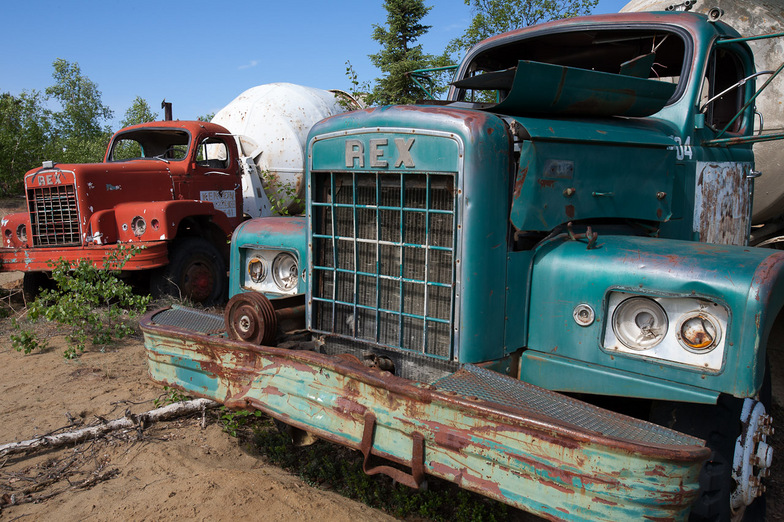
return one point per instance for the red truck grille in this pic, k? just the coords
(54, 218)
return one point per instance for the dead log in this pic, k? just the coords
(141, 420)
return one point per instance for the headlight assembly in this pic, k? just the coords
(257, 269)
(698, 332)
(21, 233)
(640, 323)
(684, 330)
(272, 272)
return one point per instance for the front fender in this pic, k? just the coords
(12, 227)
(747, 282)
(162, 219)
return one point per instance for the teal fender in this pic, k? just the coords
(267, 235)
(745, 284)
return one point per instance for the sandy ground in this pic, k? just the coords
(175, 470)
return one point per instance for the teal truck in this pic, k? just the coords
(538, 289)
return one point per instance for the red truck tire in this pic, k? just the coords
(196, 271)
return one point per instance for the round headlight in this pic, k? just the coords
(21, 233)
(698, 332)
(285, 271)
(138, 226)
(640, 323)
(256, 270)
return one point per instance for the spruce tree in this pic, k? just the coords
(400, 54)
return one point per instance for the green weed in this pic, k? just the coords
(278, 193)
(89, 303)
(235, 420)
(170, 396)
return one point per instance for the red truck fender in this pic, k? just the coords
(156, 221)
(15, 228)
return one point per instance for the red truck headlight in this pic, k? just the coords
(21, 233)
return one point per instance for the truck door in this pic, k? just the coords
(215, 176)
(724, 174)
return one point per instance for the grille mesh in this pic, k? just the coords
(54, 218)
(493, 387)
(383, 258)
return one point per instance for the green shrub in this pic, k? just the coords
(90, 303)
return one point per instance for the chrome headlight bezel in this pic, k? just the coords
(640, 323)
(265, 280)
(285, 272)
(672, 347)
(256, 269)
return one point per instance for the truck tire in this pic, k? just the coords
(33, 283)
(196, 271)
(719, 426)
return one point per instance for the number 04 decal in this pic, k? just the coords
(682, 149)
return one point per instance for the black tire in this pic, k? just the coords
(196, 271)
(719, 426)
(33, 283)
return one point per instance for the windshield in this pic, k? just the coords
(643, 53)
(162, 144)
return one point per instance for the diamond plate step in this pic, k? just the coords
(487, 385)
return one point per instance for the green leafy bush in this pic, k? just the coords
(89, 302)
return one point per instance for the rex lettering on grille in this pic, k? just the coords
(53, 178)
(379, 153)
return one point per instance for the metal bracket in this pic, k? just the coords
(589, 234)
(417, 476)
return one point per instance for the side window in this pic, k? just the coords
(212, 153)
(723, 92)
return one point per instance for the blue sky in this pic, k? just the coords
(200, 55)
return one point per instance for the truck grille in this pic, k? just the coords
(54, 218)
(383, 259)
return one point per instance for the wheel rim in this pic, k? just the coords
(198, 281)
(753, 456)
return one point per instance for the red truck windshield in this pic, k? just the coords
(164, 144)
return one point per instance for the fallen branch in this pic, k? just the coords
(15, 499)
(178, 409)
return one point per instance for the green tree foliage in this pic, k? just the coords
(138, 112)
(79, 128)
(399, 54)
(492, 17)
(31, 132)
(24, 133)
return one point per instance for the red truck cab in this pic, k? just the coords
(172, 188)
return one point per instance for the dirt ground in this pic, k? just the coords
(174, 471)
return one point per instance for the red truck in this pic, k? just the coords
(175, 188)
(156, 188)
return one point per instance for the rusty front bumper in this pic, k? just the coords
(520, 444)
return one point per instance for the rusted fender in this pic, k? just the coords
(483, 431)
